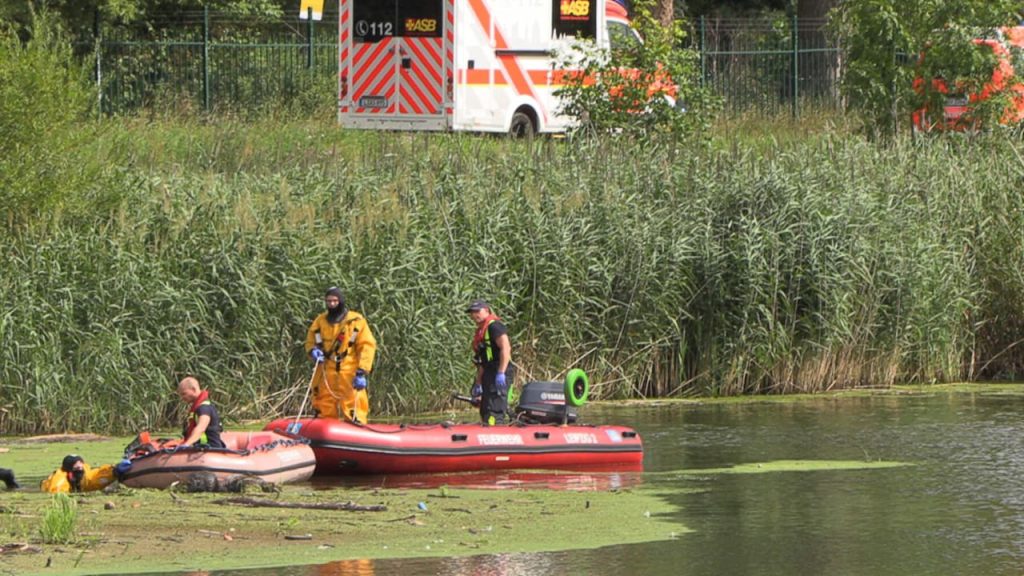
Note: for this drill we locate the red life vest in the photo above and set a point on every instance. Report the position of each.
(190, 424)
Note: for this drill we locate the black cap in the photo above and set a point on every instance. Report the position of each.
(335, 291)
(69, 462)
(477, 304)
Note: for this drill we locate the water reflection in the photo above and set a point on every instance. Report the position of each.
(362, 567)
(958, 510)
(578, 480)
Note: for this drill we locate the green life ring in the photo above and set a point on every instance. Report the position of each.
(577, 387)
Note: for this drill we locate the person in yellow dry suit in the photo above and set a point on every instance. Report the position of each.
(340, 342)
(74, 475)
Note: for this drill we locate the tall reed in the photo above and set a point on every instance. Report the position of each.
(662, 270)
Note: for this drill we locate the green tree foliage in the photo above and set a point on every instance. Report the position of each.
(42, 96)
(883, 39)
(639, 87)
(78, 13)
(728, 7)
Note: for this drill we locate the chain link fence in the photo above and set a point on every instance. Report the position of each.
(213, 62)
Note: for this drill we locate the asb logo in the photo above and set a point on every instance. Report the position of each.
(421, 25)
(574, 8)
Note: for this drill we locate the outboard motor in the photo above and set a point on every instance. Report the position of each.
(554, 402)
(544, 403)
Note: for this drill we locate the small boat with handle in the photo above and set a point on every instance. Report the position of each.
(263, 455)
(544, 435)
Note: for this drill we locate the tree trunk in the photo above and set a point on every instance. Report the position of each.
(814, 8)
(663, 12)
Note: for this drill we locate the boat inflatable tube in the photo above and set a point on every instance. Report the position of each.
(577, 387)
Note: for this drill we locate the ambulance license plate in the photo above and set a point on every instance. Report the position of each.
(373, 102)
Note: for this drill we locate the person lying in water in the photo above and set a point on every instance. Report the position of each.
(74, 475)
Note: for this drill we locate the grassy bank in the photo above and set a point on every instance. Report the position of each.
(662, 270)
(145, 530)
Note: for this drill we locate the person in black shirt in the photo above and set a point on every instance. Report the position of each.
(492, 354)
(203, 423)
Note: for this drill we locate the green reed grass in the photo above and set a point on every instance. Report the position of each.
(60, 520)
(663, 270)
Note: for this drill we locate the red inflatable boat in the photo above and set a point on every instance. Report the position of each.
(533, 441)
(345, 448)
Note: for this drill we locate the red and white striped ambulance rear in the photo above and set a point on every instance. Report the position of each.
(477, 65)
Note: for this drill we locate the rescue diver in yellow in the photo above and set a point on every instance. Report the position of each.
(340, 342)
(74, 475)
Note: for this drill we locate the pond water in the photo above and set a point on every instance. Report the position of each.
(958, 510)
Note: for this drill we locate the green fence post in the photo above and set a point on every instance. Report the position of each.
(795, 39)
(98, 49)
(206, 58)
(892, 89)
(309, 38)
(703, 48)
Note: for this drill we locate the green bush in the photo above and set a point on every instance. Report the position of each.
(639, 88)
(43, 95)
(882, 39)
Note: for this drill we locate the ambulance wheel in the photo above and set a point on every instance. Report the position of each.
(521, 126)
(577, 387)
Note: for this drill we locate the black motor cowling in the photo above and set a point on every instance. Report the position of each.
(544, 403)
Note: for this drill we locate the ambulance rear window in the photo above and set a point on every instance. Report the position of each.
(374, 20)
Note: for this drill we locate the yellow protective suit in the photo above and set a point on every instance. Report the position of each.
(94, 479)
(347, 345)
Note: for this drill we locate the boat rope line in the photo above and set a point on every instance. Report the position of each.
(265, 447)
(212, 469)
(480, 450)
(450, 426)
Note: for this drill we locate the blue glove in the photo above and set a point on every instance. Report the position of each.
(500, 384)
(477, 391)
(359, 383)
(317, 354)
(122, 467)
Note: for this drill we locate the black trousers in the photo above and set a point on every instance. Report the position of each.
(492, 404)
(7, 477)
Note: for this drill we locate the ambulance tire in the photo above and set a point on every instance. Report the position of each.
(521, 126)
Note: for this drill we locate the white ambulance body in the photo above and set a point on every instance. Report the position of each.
(477, 65)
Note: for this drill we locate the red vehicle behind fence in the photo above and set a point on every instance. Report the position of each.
(1007, 44)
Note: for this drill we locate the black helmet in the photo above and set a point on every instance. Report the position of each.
(337, 313)
(69, 462)
(335, 291)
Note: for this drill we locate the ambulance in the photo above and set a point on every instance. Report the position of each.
(465, 65)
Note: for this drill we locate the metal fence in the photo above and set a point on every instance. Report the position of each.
(768, 65)
(212, 62)
(215, 62)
